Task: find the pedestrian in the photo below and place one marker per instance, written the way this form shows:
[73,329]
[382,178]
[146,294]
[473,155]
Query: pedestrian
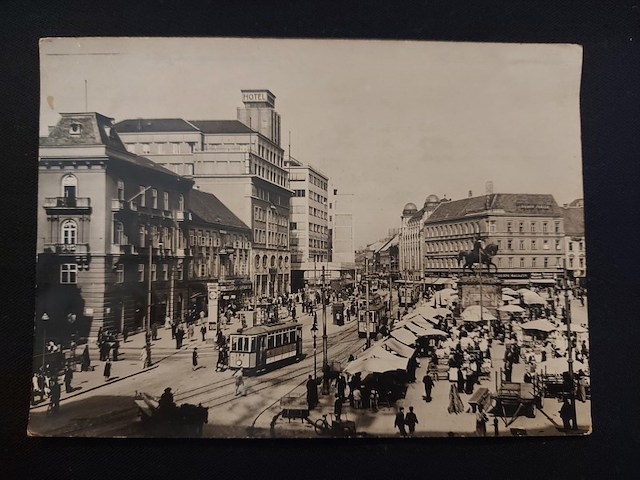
[428,385]
[194,358]
[411,368]
[154,331]
[293,312]
[400,422]
[143,358]
[86,360]
[460,380]
[508,369]
[203,331]
[481,422]
[240,388]
[341,384]
[68,376]
[116,347]
[107,369]
[179,337]
[191,331]
[312,393]
[54,399]
[357,398]
[173,329]
[411,420]
[374,398]
[125,334]
[582,386]
[566,414]
[337,407]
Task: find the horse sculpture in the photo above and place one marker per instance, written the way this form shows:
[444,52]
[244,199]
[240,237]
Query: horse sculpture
[483,257]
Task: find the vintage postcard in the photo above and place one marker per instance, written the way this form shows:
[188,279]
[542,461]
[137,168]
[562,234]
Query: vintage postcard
[263,238]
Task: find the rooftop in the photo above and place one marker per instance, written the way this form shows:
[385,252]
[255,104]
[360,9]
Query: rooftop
[573,221]
[152,125]
[208,208]
[221,126]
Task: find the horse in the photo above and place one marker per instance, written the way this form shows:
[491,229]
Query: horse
[471,257]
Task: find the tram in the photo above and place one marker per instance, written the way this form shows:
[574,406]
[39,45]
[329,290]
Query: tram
[375,315]
[408,292]
[265,347]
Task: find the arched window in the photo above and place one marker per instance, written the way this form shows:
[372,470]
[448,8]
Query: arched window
[69,232]
[286,261]
[273,261]
[69,187]
[120,190]
[257,261]
[264,261]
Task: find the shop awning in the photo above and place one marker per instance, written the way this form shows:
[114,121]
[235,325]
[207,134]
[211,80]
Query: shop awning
[405,336]
[398,347]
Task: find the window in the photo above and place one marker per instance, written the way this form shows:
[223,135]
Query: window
[581,246]
[521,227]
[533,227]
[141,272]
[545,227]
[499,245]
[557,227]
[492,227]
[69,273]
[69,187]
[571,262]
[75,128]
[534,245]
[118,233]
[154,198]
[534,262]
[557,244]
[143,233]
[546,262]
[175,147]
[570,246]
[510,261]
[181,202]
[143,196]
[521,262]
[521,244]
[120,273]
[154,272]
[165,272]
[581,262]
[120,194]
[545,244]
[69,232]
[165,200]
[146,148]
[509,244]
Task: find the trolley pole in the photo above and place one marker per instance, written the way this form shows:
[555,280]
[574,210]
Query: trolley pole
[366,315]
[567,307]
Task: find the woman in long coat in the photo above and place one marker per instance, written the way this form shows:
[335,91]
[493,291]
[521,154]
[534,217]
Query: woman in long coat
[107,369]
[86,360]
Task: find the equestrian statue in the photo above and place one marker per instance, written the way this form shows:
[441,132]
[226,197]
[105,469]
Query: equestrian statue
[480,255]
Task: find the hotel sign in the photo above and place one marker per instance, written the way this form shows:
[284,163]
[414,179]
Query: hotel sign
[254,97]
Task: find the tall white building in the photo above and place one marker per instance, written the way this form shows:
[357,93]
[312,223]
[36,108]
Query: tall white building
[308,225]
[342,259]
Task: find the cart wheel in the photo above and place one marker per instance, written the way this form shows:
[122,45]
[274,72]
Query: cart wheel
[320,427]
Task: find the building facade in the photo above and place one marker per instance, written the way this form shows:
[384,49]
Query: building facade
[574,242]
[111,231]
[411,238]
[342,257]
[241,162]
[220,245]
[527,228]
[308,225]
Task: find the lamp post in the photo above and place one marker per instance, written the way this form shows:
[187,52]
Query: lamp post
[366,314]
[325,383]
[314,329]
[45,319]
[567,307]
[149,299]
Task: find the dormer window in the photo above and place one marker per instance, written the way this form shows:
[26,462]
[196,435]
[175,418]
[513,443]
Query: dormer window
[75,128]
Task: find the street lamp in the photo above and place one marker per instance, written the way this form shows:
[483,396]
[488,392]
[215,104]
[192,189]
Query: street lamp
[45,319]
[567,306]
[325,383]
[314,329]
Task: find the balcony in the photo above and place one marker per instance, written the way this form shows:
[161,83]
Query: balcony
[123,249]
[67,205]
[68,248]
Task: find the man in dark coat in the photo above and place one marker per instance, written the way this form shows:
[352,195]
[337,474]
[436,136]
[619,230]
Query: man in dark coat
[411,369]
[411,420]
[179,337]
[312,393]
[68,376]
[54,387]
[400,422]
[194,358]
[566,414]
[337,407]
[508,368]
[460,381]
[341,385]
[203,331]
[86,360]
[428,385]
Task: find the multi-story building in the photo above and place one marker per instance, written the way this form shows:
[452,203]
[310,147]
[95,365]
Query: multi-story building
[574,242]
[527,228]
[342,258]
[386,259]
[241,162]
[308,225]
[111,231]
[220,247]
[411,239]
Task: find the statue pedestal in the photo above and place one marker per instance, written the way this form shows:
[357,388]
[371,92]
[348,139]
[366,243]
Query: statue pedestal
[471,288]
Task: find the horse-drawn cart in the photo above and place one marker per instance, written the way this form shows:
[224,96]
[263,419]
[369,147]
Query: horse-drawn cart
[184,421]
[514,399]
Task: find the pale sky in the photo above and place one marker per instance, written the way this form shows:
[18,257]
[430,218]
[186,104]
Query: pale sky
[389,121]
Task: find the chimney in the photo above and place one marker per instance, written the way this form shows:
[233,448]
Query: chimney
[470,193]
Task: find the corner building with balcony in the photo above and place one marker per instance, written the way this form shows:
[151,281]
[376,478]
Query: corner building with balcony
[107,221]
[411,238]
[241,162]
[527,228]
